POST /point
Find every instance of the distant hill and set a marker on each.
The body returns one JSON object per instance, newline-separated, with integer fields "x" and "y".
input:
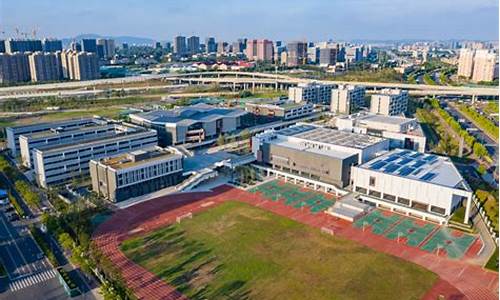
{"x": 131, "y": 40}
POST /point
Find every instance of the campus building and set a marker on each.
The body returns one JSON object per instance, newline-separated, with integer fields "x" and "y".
{"x": 14, "y": 132}
{"x": 420, "y": 185}
{"x": 311, "y": 92}
{"x": 271, "y": 110}
{"x": 405, "y": 133}
{"x": 194, "y": 123}
{"x": 346, "y": 99}
{"x": 389, "y": 102}
{"x": 63, "y": 162}
{"x": 61, "y": 136}
{"x": 45, "y": 66}
{"x": 135, "y": 173}
{"x": 314, "y": 152}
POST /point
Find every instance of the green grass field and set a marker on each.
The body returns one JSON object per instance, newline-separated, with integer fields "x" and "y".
{"x": 237, "y": 251}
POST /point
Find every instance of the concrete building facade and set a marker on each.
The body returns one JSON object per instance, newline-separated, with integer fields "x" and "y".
{"x": 45, "y": 66}
{"x": 346, "y": 99}
{"x": 311, "y": 92}
{"x": 485, "y": 65}
{"x": 135, "y": 173}
{"x": 14, "y": 68}
{"x": 389, "y": 102}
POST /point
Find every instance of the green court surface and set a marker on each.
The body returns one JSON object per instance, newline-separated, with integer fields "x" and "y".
{"x": 445, "y": 239}
{"x": 377, "y": 221}
{"x": 410, "y": 230}
{"x": 293, "y": 196}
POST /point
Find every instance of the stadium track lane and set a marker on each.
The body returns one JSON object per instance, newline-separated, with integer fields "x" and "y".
{"x": 458, "y": 279}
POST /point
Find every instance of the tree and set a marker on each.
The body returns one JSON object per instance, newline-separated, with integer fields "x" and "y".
{"x": 245, "y": 134}
{"x": 480, "y": 150}
{"x": 221, "y": 140}
{"x": 66, "y": 241}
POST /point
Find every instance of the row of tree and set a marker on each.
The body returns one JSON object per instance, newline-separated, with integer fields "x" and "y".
{"x": 483, "y": 122}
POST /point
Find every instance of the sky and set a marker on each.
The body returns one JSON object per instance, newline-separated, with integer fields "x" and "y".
{"x": 312, "y": 20}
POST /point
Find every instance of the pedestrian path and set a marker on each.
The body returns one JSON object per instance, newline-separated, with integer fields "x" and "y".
{"x": 31, "y": 280}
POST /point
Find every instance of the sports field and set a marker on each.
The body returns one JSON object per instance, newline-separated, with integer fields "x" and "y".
{"x": 237, "y": 251}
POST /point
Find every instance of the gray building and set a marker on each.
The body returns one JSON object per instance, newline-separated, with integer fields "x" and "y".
{"x": 22, "y": 45}
{"x": 210, "y": 45}
{"x": 89, "y": 45}
{"x": 14, "y": 67}
{"x": 311, "y": 92}
{"x": 346, "y": 99}
{"x": 50, "y": 45}
{"x": 135, "y": 173}
{"x": 316, "y": 153}
{"x": 327, "y": 56}
{"x": 193, "y": 45}
{"x": 194, "y": 123}
{"x": 45, "y": 66}
{"x": 180, "y": 47}
{"x": 389, "y": 102}
{"x": 297, "y": 53}
{"x": 63, "y": 162}
{"x": 14, "y": 132}
{"x": 272, "y": 110}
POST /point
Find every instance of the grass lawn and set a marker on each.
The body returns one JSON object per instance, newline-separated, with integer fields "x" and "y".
{"x": 111, "y": 112}
{"x": 237, "y": 251}
{"x": 492, "y": 263}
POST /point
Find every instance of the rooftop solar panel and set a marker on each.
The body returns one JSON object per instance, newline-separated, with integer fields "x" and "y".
{"x": 416, "y": 171}
{"x": 419, "y": 163}
{"x": 392, "y": 158}
{"x": 416, "y": 155}
{"x": 391, "y": 168}
{"x": 377, "y": 165}
{"x": 404, "y": 161}
{"x": 428, "y": 176}
{"x": 430, "y": 158}
{"x": 406, "y": 171}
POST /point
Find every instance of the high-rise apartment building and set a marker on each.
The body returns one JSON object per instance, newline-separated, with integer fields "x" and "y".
{"x": 297, "y": 53}
{"x": 180, "y": 48}
{"x": 80, "y": 65}
{"x": 14, "y": 67}
{"x": 465, "y": 63}
{"x": 2, "y": 46}
{"x": 311, "y": 92}
{"x": 210, "y": 45}
{"x": 193, "y": 45}
{"x": 17, "y": 45}
{"x": 108, "y": 48}
{"x": 484, "y": 66}
{"x": 45, "y": 66}
{"x": 327, "y": 56}
{"x": 389, "y": 102}
{"x": 347, "y": 98}
{"x": 259, "y": 50}
{"x": 89, "y": 45}
{"x": 51, "y": 45}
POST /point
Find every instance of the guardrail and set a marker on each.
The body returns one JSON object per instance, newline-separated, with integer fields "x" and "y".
{"x": 486, "y": 219}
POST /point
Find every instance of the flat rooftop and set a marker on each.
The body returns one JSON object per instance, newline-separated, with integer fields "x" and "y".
{"x": 56, "y": 132}
{"x": 190, "y": 114}
{"x": 333, "y": 153}
{"x": 393, "y": 120}
{"x": 331, "y": 136}
{"x": 138, "y": 157}
{"x": 51, "y": 124}
{"x": 418, "y": 166}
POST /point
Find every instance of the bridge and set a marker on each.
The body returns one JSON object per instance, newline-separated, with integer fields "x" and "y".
{"x": 236, "y": 80}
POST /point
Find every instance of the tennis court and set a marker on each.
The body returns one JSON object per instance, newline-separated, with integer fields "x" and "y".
{"x": 378, "y": 221}
{"x": 294, "y": 196}
{"x": 455, "y": 243}
{"x": 411, "y": 231}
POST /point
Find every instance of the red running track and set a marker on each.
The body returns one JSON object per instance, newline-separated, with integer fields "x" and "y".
{"x": 458, "y": 279}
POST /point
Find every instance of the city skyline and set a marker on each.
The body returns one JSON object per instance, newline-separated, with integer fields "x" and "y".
{"x": 322, "y": 20}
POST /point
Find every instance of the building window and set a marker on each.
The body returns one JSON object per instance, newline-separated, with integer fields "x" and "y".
{"x": 372, "y": 181}
{"x": 419, "y": 206}
{"x": 438, "y": 210}
{"x": 390, "y": 197}
{"x": 361, "y": 190}
{"x": 403, "y": 201}
{"x": 375, "y": 193}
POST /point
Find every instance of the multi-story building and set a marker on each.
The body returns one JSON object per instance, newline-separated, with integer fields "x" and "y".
{"x": 89, "y": 45}
{"x": 311, "y": 92}
{"x": 402, "y": 132}
{"x": 416, "y": 184}
{"x": 193, "y": 45}
{"x": 62, "y": 136}
{"x": 17, "y": 45}
{"x": 222, "y": 47}
{"x": 13, "y": 133}
{"x": 180, "y": 48}
{"x": 327, "y": 56}
{"x": 297, "y": 53}
{"x": 270, "y": 110}
{"x": 52, "y": 45}
{"x": 2, "y": 46}
{"x": 63, "y": 162}
{"x": 259, "y": 50}
{"x": 485, "y": 64}
{"x": 45, "y": 66}
{"x": 316, "y": 153}
{"x": 346, "y": 99}
{"x": 313, "y": 54}
{"x": 194, "y": 123}
{"x": 14, "y": 67}
{"x": 465, "y": 63}
{"x": 210, "y": 45}
{"x": 389, "y": 102}
{"x": 108, "y": 48}
{"x": 135, "y": 173}
{"x": 80, "y": 65}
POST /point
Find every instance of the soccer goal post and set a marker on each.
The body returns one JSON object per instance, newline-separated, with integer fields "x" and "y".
{"x": 327, "y": 230}
{"x": 184, "y": 216}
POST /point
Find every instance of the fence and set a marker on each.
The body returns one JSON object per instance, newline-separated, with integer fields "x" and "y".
{"x": 486, "y": 219}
